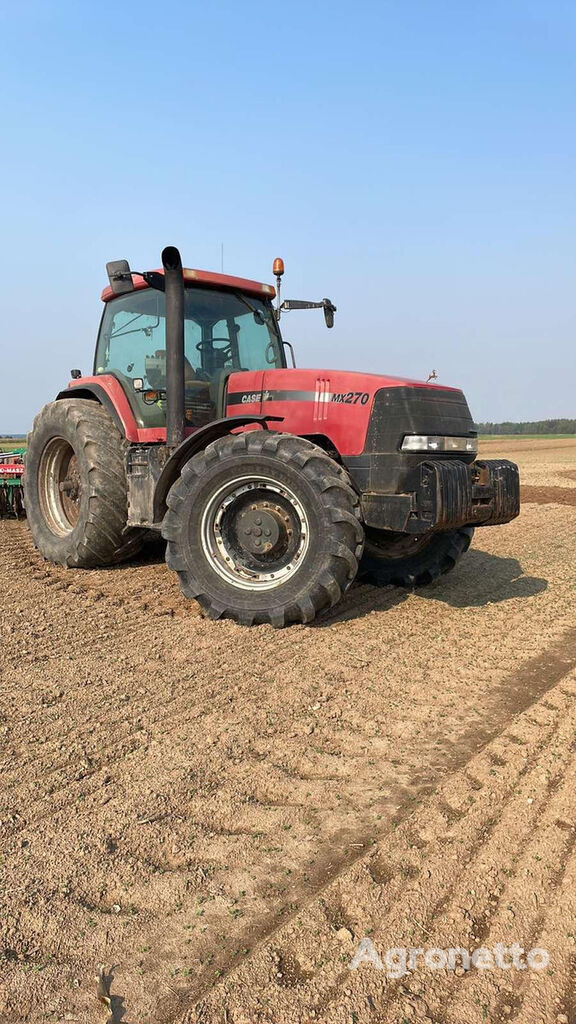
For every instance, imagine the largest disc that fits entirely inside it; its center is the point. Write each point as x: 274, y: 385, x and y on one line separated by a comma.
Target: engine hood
x: 340, y: 404
x: 342, y: 379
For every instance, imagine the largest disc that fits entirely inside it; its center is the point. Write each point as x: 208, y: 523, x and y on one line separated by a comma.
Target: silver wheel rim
x: 59, y: 487
x: 246, y: 496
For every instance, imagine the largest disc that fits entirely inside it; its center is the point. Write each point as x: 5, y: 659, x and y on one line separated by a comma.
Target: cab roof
x: 206, y: 277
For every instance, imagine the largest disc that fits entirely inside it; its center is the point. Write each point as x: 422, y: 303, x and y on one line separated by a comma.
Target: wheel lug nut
x: 267, y: 533
x: 258, y: 522
x: 248, y: 531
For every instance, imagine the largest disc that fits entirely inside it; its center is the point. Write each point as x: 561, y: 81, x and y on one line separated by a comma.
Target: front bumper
x: 444, y: 494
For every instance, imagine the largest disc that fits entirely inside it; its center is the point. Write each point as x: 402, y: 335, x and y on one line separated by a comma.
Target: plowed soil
x: 217, y: 816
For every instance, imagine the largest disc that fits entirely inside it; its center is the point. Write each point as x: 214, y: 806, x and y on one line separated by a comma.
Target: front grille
x: 416, y: 410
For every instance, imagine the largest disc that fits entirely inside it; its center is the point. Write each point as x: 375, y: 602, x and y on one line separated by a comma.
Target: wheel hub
x: 60, y: 486
x: 70, y: 487
x: 263, y: 529
x: 255, y: 533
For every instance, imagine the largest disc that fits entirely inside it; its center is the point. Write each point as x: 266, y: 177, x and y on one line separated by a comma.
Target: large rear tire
x: 411, y: 561
x: 263, y: 527
x: 75, y: 488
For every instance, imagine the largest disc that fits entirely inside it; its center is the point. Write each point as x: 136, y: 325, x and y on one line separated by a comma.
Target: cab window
x: 224, y: 331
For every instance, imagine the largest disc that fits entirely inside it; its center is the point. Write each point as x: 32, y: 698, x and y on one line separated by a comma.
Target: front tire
x: 263, y: 528
x: 409, y: 561
x: 75, y: 487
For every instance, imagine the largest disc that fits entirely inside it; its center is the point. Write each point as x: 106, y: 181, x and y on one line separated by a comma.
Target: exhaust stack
x: 174, y: 291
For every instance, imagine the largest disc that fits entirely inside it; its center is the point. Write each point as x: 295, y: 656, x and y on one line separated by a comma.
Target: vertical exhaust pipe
x: 174, y: 292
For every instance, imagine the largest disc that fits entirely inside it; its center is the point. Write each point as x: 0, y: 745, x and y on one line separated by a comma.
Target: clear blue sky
x: 414, y: 160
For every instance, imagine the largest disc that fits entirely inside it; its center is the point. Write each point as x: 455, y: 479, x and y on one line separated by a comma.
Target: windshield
x: 224, y: 331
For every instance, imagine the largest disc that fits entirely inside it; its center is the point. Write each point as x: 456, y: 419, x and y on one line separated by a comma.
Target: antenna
x: 222, y: 257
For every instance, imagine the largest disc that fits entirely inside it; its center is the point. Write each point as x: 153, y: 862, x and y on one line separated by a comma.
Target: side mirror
x: 120, y: 277
x: 328, y: 307
x: 329, y: 310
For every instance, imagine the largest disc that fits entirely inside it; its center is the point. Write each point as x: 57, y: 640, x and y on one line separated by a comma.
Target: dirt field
x: 220, y: 815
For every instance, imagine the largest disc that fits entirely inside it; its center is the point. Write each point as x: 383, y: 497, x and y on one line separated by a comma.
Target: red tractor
x: 274, y: 487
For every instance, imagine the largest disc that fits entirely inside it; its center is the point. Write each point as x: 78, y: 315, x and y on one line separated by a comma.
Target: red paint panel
x: 345, y: 422
x: 296, y: 379
x: 334, y: 403
x: 117, y: 396
x: 249, y: 384
x: 202, y: 277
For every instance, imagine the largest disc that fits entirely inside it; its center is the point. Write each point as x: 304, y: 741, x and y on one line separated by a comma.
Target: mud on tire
x: 302, y: 503
x: 405, y: 561
x: 75, y: 488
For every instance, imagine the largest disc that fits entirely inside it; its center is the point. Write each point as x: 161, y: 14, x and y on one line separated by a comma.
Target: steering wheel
x: 226, y: 352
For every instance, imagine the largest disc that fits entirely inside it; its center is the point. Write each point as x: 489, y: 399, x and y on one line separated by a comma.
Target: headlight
x: 437, y: 443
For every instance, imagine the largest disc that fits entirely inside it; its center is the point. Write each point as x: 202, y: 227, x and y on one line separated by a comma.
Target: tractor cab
x: 230, y: 325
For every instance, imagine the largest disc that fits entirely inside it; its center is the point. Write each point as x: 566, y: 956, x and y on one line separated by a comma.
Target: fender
x: 193, y: 444
x: 106, y: 390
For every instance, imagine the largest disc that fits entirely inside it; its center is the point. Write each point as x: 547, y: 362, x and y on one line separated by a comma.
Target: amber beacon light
x: 278, y: 270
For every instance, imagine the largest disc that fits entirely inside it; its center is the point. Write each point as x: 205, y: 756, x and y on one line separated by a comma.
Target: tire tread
x: 336, y: 494
x: 104, y: 538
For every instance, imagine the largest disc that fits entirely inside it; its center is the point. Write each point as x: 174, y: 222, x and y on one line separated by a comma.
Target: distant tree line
x: 536, y: 427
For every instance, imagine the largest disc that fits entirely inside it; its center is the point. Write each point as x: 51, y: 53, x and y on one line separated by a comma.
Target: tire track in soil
x: 344, y: 628
x: 548, y: 495
x: 513, y: 696
x: 444, y: 885
x: 55, y: 575
x: 120, y: 748
x: 144, y: 585
x: 81, y: 787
